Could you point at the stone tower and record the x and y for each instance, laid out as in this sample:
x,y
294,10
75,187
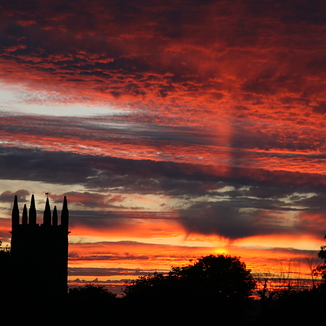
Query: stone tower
x,y
40,253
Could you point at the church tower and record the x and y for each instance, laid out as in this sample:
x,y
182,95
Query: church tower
x,y
40,252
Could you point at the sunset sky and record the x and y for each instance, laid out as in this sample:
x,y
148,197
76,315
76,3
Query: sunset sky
x,y
176,129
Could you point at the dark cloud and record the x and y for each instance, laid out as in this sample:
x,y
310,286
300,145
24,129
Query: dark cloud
x,y
143,176
239,211
8,196
212,218
90,200
109,272
37,165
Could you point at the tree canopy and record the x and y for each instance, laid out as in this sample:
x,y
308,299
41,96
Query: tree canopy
x,y
90,303
216,278
321,269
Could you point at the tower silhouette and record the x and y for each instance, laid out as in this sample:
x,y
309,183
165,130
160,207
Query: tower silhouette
x,y
40,253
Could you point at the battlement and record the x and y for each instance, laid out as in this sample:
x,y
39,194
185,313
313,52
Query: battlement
x,y
30,219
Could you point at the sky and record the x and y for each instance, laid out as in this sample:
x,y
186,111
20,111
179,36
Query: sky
x,y
176,129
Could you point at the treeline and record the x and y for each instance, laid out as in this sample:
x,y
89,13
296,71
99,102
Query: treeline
x,y
213,289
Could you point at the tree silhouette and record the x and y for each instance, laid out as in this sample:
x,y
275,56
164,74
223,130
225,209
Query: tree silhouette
x,y
91,296
90,303
212,283
211,277
321,269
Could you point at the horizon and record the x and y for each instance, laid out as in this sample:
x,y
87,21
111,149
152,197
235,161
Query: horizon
x,y
176,130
